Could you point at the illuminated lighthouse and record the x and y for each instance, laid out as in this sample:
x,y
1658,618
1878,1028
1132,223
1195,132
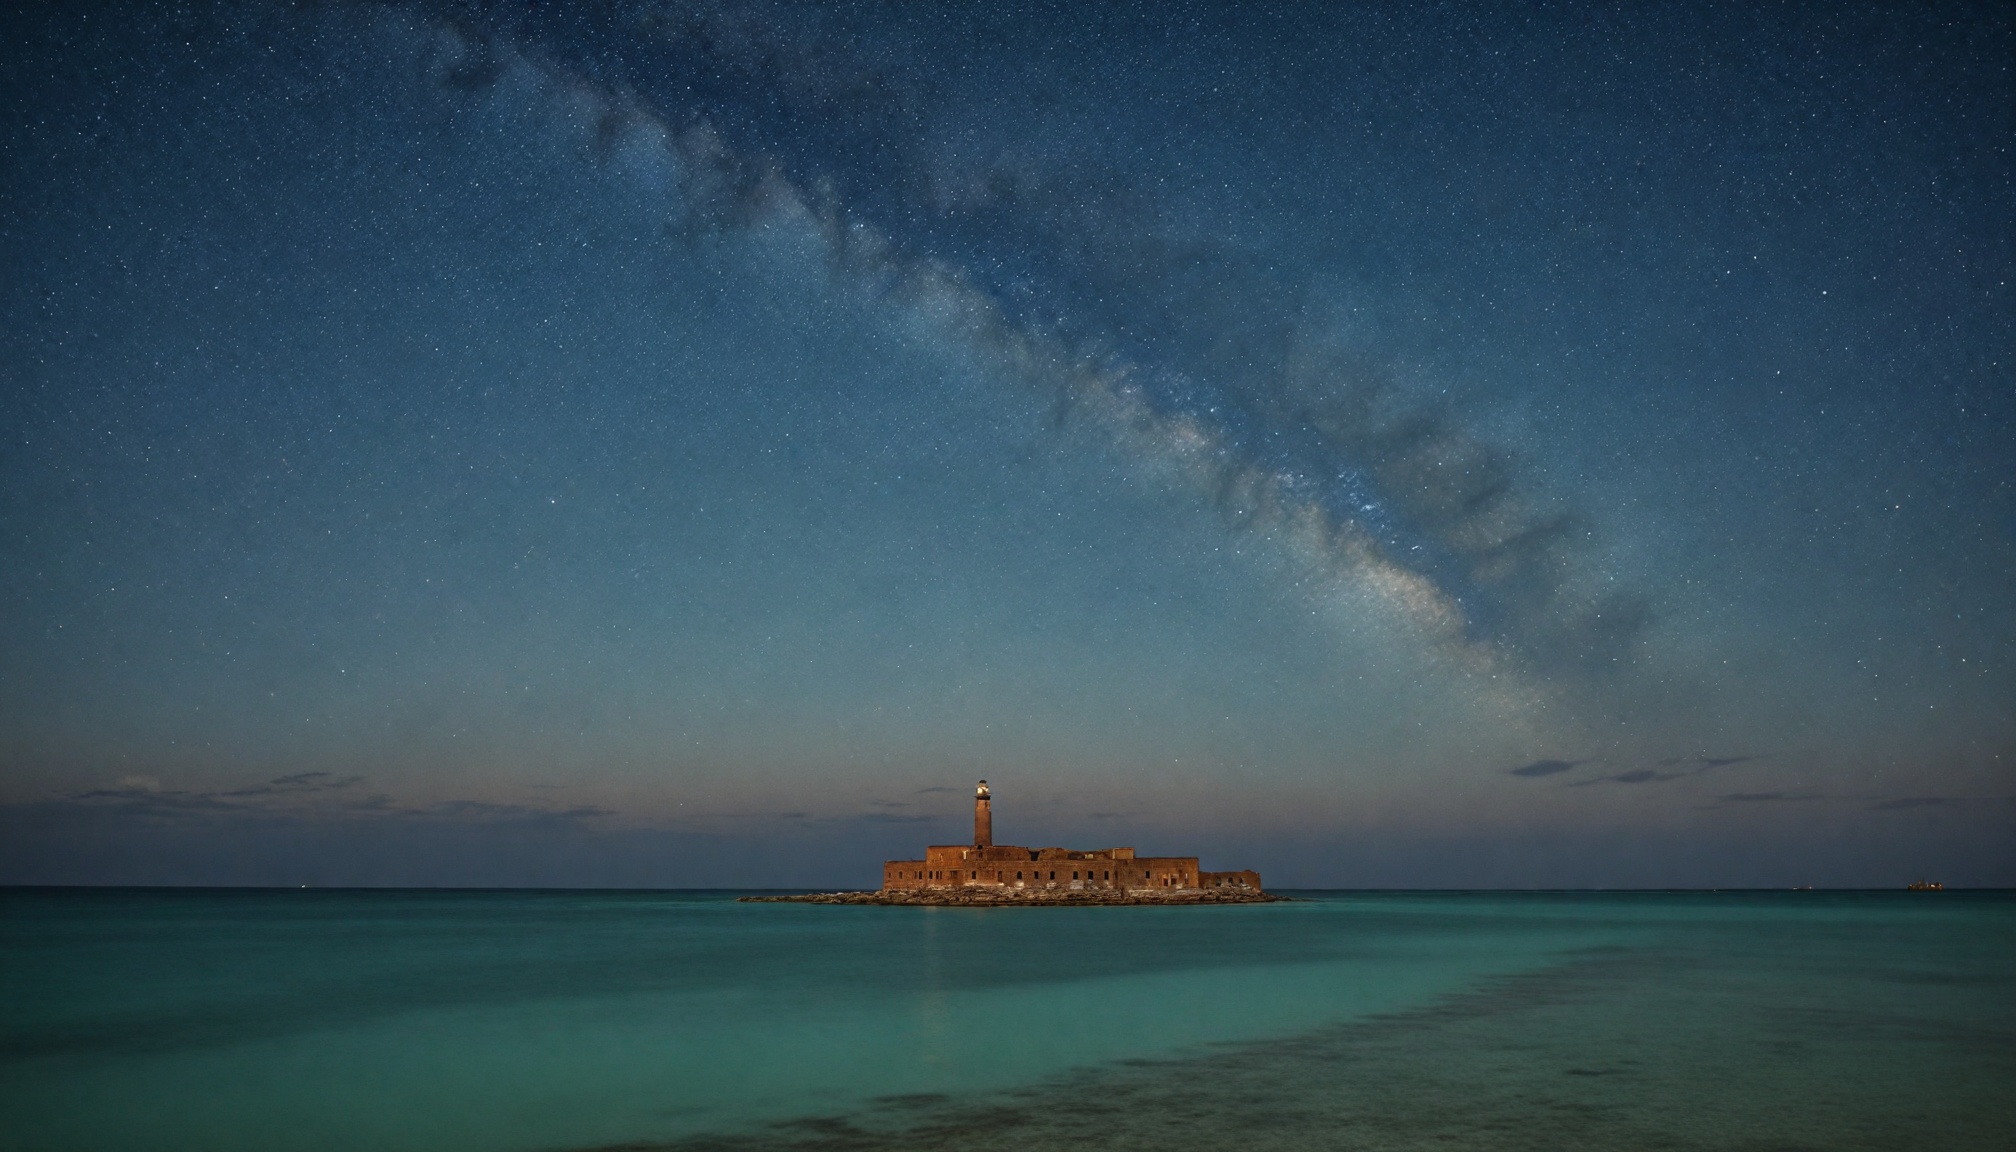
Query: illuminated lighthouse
x,y
983,818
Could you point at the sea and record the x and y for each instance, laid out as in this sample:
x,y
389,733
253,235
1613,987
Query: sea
x,y
552,1020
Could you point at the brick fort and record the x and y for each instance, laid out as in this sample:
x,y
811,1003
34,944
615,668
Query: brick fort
x,y
984,865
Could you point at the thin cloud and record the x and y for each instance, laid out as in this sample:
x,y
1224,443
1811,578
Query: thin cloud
x,y
1544,768
300,779
1902,803
1699,765
302,794
143,801
1707,762
1634,776
1643,776
296,784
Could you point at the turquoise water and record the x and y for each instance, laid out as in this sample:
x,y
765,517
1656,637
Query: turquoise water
x,y
498,1020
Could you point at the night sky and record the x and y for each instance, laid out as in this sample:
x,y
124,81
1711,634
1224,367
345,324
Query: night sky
x,y
688,445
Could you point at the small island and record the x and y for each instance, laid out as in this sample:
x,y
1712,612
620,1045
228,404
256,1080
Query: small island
x,y
989,875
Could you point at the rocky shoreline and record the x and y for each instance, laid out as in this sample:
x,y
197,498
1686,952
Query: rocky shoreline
x,y
1023,898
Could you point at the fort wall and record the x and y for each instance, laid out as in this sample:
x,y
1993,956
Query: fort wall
x,y
1041,868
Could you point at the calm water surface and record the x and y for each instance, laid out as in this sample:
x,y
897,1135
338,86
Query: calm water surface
x,y
511,1020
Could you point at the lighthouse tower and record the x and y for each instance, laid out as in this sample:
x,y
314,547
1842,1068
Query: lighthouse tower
x,y
983,818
